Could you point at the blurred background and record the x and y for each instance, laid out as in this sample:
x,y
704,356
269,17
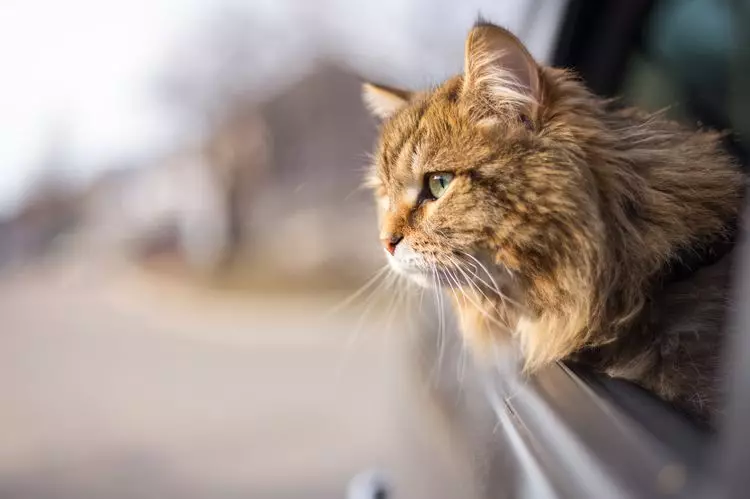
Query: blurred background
x,y
182,234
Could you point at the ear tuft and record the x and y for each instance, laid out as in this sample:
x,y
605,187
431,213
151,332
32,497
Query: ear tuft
x,y
382,101
481,21
498,67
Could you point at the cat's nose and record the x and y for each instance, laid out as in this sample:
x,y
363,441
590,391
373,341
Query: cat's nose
x,y
391,242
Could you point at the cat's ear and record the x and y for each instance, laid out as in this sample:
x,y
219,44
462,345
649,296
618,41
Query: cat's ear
x,y
382,101
499,67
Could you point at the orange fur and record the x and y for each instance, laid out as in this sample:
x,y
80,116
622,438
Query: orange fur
x,y
574,205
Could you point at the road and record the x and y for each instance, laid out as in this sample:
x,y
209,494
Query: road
x,y
115,383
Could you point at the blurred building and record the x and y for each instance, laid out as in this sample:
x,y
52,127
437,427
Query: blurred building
x,y
273,189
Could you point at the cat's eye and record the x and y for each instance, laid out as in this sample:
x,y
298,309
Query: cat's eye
x,y
437,183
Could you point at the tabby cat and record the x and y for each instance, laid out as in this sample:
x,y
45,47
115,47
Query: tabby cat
x,y
560,223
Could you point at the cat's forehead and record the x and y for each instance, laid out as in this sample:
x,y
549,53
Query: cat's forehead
x,y
409,168
408,138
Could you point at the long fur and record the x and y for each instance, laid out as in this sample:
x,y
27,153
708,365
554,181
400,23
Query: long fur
x,y
584,209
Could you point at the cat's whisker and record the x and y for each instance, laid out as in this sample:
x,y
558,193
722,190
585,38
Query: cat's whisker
x,y
461,363
379,274
421,298
440,337
396,295
494,287
487,285
441,320
457,287
473,284
434,287
396,301
504,299
473,287
463,354
370,300
358,189
455,280
409,297
486,314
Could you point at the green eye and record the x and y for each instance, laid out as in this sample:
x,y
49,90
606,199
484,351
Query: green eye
x,y
438,183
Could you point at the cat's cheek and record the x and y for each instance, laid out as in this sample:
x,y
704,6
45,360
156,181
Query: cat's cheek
x,y
429,209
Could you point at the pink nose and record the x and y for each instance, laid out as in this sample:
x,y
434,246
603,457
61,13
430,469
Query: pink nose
x,y
390,243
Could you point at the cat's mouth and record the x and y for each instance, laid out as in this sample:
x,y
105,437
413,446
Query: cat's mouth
x,y
458,272
415,268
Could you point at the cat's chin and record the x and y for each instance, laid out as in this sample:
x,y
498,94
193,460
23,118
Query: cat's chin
x,y
426,279
417,276
412,265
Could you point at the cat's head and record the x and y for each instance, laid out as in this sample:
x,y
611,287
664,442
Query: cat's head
x,y
482,172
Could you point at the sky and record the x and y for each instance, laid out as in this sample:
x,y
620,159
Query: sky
x,y
79,78
78,72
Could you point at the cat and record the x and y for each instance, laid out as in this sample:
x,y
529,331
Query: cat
x,y
560,223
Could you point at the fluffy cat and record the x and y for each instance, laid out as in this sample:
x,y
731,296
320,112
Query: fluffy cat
x,y
557,222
